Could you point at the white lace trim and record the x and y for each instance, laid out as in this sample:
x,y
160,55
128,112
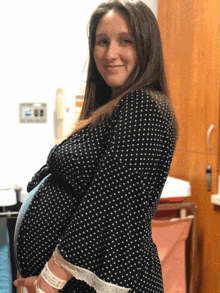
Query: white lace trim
x,y
90,278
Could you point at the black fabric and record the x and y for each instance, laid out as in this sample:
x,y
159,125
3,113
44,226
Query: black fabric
x,y
103,192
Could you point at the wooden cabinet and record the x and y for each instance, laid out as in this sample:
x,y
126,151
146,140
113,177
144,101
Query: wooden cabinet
x,y
190,36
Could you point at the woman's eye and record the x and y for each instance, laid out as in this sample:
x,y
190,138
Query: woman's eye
x,y
106,42
126,41
102,42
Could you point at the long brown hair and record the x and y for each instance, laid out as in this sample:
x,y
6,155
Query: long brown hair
x,y
148,72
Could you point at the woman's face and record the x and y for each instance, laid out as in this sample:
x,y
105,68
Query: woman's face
x,y
115,52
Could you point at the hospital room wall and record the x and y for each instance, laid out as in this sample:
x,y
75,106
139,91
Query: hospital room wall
x,y
44,47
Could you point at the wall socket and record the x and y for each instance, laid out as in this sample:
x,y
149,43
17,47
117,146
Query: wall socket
x,y
33,113
219,186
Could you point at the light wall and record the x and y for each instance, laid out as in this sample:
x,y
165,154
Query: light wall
x,y
152,4
43,47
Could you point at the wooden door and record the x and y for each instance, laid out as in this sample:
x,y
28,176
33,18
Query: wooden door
x,y
190,36
191,167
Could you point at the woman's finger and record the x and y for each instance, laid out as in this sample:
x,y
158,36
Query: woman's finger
x,y
25,282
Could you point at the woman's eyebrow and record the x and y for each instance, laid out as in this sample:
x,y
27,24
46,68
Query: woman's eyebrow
x,y
101,35
120,34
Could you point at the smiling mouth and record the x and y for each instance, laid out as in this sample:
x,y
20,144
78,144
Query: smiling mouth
x,y
113,66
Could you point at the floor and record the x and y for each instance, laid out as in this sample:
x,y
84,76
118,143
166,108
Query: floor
x,y
5,268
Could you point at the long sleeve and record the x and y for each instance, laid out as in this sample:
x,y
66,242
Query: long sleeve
x,y
108,241
40,174
36,179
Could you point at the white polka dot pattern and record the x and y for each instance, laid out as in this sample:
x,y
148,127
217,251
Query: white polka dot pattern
x,y
103,192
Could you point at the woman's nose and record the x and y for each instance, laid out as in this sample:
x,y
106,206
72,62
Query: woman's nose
x,y
112,51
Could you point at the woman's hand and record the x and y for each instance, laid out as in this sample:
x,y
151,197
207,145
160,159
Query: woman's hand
x,y
28,283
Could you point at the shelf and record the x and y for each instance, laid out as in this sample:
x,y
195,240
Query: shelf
x,y
8,214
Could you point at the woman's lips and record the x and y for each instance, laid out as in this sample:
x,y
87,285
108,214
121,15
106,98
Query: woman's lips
x,y
113,68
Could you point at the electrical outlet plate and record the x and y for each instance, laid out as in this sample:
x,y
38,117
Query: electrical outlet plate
x,y
33,113
218,184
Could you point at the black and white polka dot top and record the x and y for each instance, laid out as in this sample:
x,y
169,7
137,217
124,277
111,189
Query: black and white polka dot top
x,y
95,209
